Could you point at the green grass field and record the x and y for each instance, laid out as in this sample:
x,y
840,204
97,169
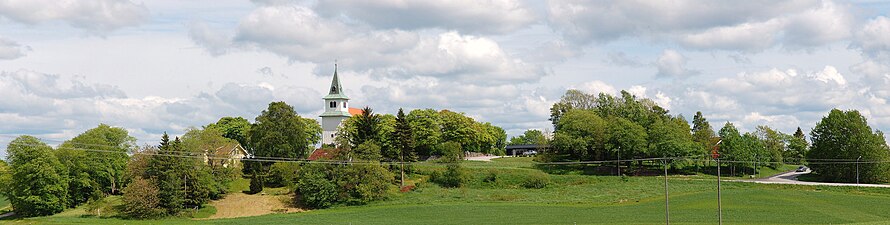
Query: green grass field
x,y
579,199
3,202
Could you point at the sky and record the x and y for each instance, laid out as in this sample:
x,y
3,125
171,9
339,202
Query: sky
x,y
167,65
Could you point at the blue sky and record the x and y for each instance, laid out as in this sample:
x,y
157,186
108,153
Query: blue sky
x,y
155,66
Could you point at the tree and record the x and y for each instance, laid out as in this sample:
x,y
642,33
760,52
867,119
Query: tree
x,y
279,132
205,142
454,174
315,188
671,137
403,143
773,145
797,147
367,151
572,99
845,135
495,140
426,130
93,173
732,145
580,134
181,180
458,128
529,137
367,127
141,200
235,128
702,133
37,185
627,137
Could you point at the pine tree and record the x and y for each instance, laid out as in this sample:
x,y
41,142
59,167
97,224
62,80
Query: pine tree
x,y
403,142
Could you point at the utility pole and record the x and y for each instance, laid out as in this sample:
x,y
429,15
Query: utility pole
x,y
857,169
618,163
755,165
667,211
716,156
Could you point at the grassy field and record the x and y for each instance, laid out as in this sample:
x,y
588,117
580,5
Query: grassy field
x,y
579,199
3,202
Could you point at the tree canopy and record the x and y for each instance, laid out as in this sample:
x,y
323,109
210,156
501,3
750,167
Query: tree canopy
x,y
846,135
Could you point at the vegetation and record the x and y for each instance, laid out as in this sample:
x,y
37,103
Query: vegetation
x,y
846,136
36,186
93,174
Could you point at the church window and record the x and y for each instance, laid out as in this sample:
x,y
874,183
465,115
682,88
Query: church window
x,y
333,104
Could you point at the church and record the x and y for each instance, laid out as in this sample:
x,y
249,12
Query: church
x,y
336,110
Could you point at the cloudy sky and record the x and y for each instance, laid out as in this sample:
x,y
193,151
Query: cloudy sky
x,y
165,65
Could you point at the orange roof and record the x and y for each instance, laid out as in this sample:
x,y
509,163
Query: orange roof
x,y
355,111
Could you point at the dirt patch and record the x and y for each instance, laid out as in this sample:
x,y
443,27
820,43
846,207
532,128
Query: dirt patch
x,y
243,205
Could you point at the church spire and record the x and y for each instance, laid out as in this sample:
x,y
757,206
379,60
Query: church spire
x,y
336,89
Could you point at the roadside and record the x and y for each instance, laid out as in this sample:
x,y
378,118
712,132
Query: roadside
x,y
791,178
483,158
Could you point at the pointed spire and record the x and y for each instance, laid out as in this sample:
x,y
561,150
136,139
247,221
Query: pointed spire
x,y
336,88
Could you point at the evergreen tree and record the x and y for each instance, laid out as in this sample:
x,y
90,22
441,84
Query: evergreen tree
x,y
702,133
797,147
402,138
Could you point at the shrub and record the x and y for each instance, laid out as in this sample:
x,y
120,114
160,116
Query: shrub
x,y
283,174
314,189
361,184
141,200
453,176
491,177
536,181
256,184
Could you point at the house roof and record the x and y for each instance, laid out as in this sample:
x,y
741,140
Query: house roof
x,y
226,150
355,111
321,154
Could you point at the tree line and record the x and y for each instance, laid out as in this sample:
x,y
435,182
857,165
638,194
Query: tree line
x,y
603,127
181,174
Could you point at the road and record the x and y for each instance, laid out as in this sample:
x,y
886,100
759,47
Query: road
x,y
482,158
791,178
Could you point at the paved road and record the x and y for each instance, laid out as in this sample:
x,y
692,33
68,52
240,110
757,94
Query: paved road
x,y
791,178
482,158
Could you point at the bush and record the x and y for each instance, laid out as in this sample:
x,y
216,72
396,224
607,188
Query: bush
x,y
141,200
536,181
361,184
256,184
453,176
314,188
283,174
491,177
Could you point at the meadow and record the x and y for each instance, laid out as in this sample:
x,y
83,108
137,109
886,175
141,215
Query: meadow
x,y
575,199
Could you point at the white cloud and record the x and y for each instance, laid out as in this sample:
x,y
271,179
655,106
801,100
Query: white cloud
x,y
874,38
10,49
214,41
300,34
671,64
596,87
749,26
93,15
465,16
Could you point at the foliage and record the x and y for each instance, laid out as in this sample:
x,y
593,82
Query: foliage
x,y
628,137
256,183
426,130
402,139
280,132
315,189
283,174
183,182
703,133
367,151
323,185
454,175
37,184
845,135
141,200
362,183
581,134
100,170
235,128
774,145
536,181
529,137
797,147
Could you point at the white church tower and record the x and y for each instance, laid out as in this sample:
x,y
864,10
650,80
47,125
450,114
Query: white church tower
x,y
336,110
